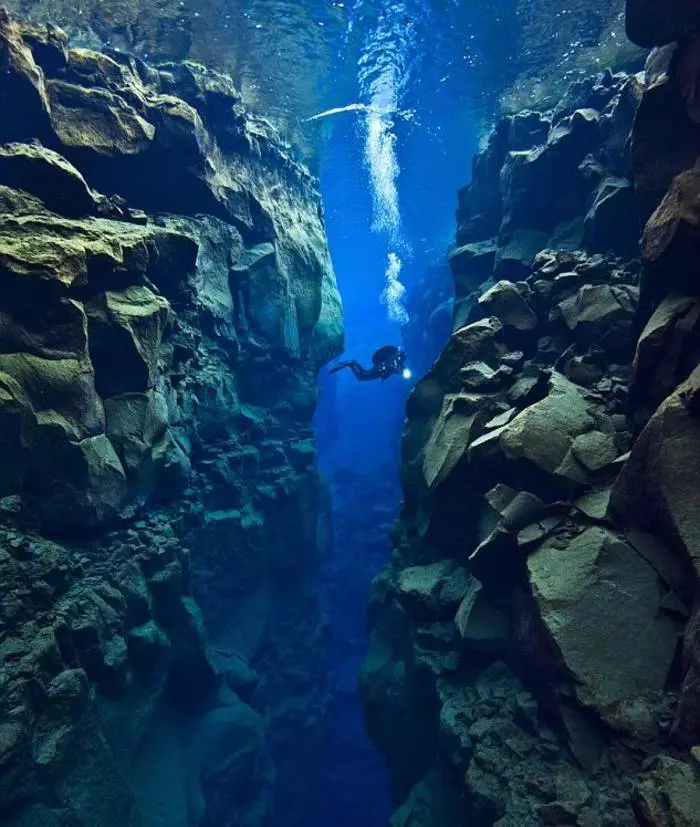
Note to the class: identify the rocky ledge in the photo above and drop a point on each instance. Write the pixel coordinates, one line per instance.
(534, 655)
(166, 298)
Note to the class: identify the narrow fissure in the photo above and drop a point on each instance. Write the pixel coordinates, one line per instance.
(349, 383)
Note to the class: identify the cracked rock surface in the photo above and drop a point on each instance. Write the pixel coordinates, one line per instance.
(550, 462)
(166, 299)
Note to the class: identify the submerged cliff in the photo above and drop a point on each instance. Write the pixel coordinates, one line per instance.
(533, 653)
(166, 299)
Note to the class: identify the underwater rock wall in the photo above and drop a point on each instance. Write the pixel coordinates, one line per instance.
(166, 299)
(533, 653)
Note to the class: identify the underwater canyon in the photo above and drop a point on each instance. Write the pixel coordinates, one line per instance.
(238, 590)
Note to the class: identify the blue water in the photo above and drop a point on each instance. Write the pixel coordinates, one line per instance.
(359, 424)
(422, 78)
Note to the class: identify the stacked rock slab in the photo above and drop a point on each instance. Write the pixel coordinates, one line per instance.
(533, 646)
(559, 179)
(166, 299)
(657, 490)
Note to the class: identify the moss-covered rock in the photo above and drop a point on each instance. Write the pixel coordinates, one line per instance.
(166, 299)
(126, 330)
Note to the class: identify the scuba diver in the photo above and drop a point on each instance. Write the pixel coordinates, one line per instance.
(387, 361)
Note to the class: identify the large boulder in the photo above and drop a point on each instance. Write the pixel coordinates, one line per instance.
(449, 439)
(612, 223)
(544, 434)
(602, 314)
(668, 795)
(671, 241)
(656, 492)
(599, 601)
(507, 303)
(667, 350)
(663, 121)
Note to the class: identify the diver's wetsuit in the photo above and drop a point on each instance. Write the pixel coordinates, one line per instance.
(386, 362)
(359, 372)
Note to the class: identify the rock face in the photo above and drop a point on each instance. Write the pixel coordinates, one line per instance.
(564, 182)
(533, 655)
(166, 299)
(664, 456)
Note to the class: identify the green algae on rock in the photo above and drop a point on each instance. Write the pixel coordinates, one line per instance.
(166, 300)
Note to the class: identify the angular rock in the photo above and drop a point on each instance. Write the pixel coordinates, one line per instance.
(662, 121)
(671, 238)
(602, 314)
(655, 491)
(505, 301)
(667, 350)
(472, 264)
(612, 224)
(126, 330)
(478, 376)
(669, 795)
(594, 449)
(529, 388)
(595, 504)
(97, 120)
(475, 342)
(599, 589)
(544, 433)
(449, 439)
(515, 257)
(433, 590)
(481, 626)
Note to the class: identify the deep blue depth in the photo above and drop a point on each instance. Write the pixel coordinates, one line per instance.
(359, 424)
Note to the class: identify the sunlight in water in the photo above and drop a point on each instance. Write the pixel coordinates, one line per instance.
(382, 77)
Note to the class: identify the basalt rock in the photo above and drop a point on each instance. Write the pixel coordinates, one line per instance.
(559, 179)
(166, 299)
(612, 222)
(566, 675)
(654, 496)
(663, 120)
(669, 794)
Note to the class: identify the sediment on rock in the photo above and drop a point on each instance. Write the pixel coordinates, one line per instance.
(532, 656)
(160, 332)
